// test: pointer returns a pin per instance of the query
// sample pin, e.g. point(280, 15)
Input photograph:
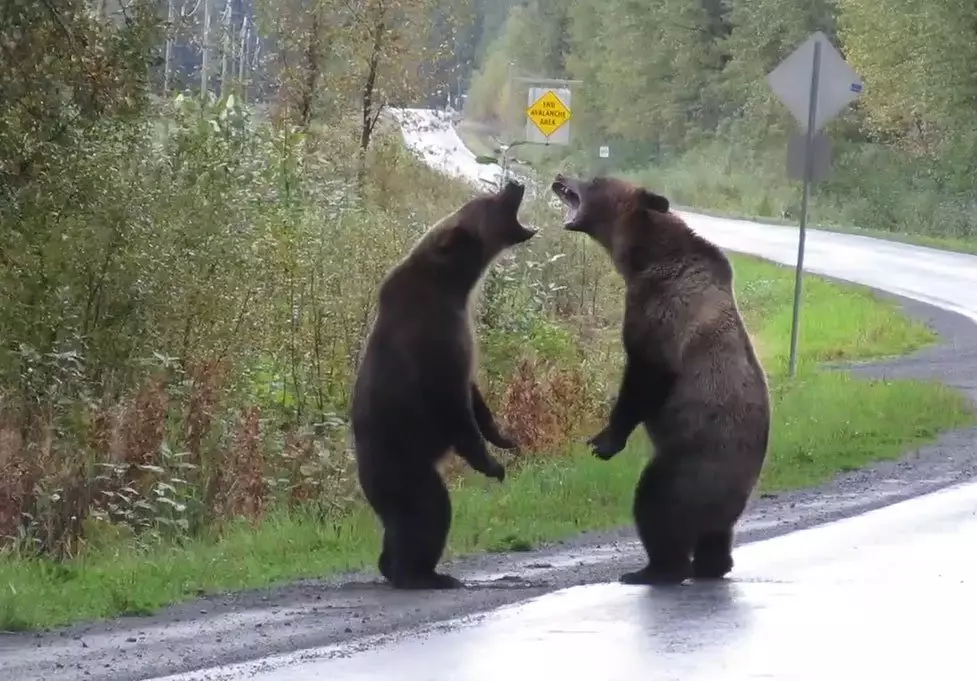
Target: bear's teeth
point(569, 212)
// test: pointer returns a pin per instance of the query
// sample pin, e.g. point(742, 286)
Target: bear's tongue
point(569, 198)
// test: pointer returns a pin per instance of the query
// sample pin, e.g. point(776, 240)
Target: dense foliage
point(186, 278)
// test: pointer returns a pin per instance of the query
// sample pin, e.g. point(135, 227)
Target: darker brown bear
point(691, 376)
point(415, 396)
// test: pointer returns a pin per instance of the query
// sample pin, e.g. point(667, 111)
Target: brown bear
point(691, 376)
point(415, 396)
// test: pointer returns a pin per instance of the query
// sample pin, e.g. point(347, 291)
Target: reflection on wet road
point(884, 595)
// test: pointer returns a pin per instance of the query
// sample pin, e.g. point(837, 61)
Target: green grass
point(837, 322)
point(825, 422)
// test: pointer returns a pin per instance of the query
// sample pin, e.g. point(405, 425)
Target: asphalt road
point(223, 629)
point(884, 595)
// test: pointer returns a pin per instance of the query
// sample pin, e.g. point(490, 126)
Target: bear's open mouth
point(570, 199)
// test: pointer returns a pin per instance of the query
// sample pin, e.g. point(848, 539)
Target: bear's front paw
point(605, 444)
point(493, 469)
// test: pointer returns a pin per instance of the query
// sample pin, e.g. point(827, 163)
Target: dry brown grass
point(545, 406)
point(205, 379)
point(168, 433)
point(43, 490)
point(241, 491)
point(17, 478)
point(141, 432)
point(50, 485)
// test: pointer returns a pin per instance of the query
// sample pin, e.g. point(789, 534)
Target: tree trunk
point(243, 56)
point(225, 45)
point(369, 115)
point(168, 63)
point(311, 73)
point(204, 60)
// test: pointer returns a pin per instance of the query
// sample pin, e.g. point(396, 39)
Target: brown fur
point(415, 396)
point(691, 377)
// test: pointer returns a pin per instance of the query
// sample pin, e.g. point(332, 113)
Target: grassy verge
point(825, 422)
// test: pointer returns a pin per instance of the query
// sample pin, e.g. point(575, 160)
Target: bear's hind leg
point(662, 530)
point(713, 557)
point(420, 531)
point(668, 560)
point(383, 563)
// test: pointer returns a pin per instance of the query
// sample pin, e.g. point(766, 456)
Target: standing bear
point(691, 376)
point(415, 396)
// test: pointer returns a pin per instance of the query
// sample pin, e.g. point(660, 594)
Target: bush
point(189, 295)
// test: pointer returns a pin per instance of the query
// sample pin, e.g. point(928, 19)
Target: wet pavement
point(884, 595)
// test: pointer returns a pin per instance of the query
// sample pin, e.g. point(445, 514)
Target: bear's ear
point(652, 201)
point(456, 242)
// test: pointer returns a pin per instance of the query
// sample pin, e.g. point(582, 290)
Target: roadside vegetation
point(186, 282)
point(677, 90)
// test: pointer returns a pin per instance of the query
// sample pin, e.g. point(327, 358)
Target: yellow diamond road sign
point(548, 113)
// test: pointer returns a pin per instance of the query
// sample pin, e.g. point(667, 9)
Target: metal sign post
point(813, 98)
point(812, 112)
